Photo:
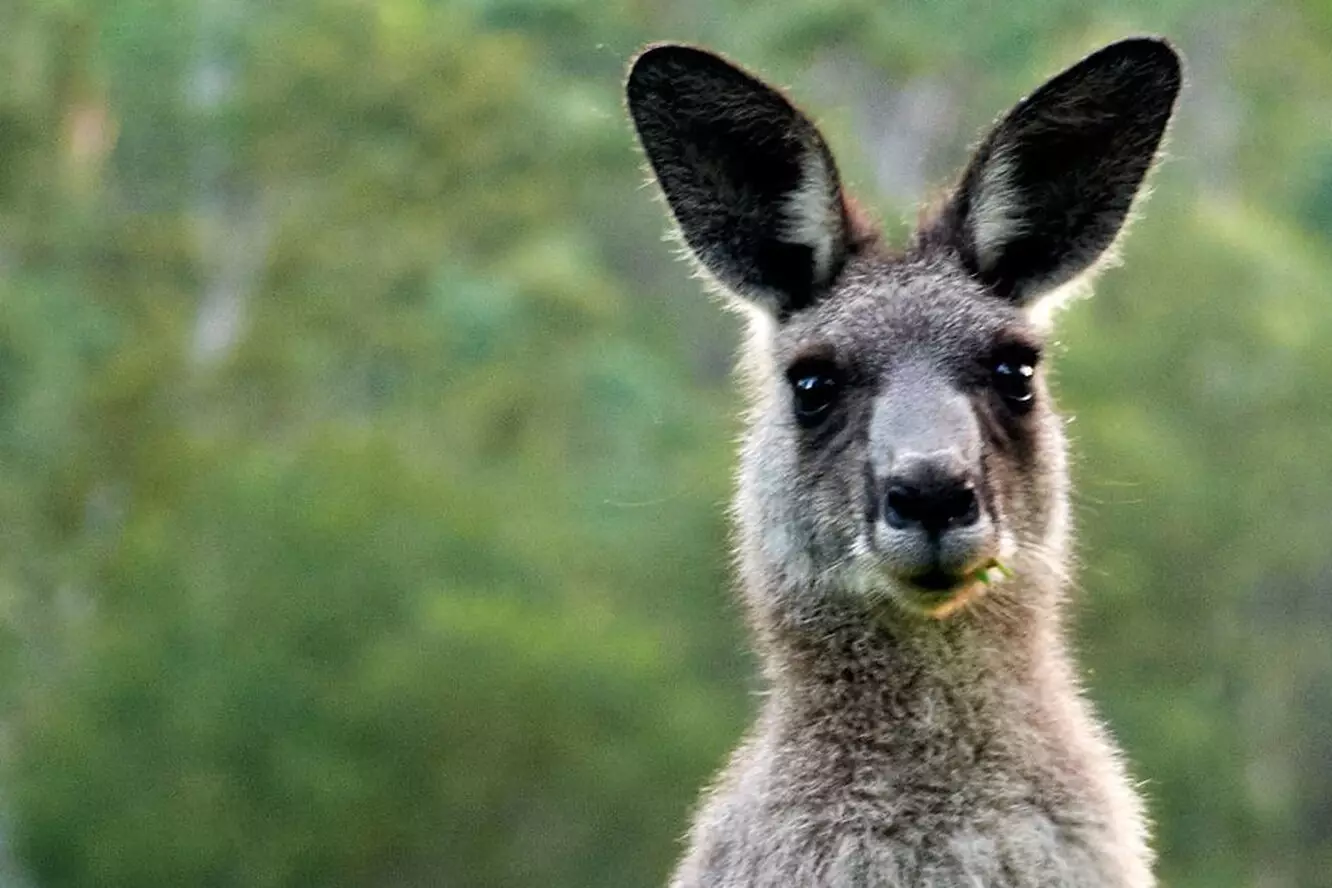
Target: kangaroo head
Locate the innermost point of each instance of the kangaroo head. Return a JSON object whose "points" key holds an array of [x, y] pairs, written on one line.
{"points": [[902, 441]]}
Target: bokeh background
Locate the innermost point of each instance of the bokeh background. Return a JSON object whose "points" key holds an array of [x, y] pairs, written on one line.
{"points": [[364, 449]]}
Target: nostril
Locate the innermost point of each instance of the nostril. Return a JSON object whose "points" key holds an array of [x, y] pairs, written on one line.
{"points": [[961, 508], [935, 507], [902, 506]]}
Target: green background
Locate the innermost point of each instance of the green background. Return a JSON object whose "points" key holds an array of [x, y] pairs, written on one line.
{"points": [[365, 450]]}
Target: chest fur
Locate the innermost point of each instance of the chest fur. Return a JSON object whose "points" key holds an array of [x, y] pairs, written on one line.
{"points": [[870, 819]]}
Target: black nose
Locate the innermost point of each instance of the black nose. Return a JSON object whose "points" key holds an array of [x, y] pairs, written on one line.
{"points": [[930, 499]]}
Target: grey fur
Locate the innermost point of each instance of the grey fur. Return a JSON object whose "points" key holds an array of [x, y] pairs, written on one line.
{"points": [[913, 735]]}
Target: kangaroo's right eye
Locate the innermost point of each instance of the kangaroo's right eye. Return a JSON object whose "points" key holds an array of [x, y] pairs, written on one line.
{"points": [[1013, 372], [815, 388]]}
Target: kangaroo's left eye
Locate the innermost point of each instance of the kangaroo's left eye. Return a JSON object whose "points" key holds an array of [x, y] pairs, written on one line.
{"points": [[815, 389], [1013, 374]]}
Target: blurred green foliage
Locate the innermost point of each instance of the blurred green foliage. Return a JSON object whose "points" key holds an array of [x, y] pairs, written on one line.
{"points": [[365, 452]]}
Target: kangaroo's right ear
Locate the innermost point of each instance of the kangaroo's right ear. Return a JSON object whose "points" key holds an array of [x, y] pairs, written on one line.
{"points": [[748, 178], [1049, 189]]}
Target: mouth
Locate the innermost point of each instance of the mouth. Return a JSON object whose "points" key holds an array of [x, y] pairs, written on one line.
{"points": [[940, 594]]}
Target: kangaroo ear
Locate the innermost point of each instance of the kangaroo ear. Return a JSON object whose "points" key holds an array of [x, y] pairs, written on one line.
{"points": [[1049, 189], [749, 179]]}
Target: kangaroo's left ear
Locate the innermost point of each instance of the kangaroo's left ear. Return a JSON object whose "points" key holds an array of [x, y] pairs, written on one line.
{"points": [[1049, 189], [750, 181]]}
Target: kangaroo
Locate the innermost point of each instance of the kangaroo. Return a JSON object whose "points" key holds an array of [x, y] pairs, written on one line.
{"points": [[902, 505]]}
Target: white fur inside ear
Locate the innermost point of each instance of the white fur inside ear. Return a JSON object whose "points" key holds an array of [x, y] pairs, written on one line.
{"points": [[997, 212], [1044, 309], [813, 213], [757, 361]]}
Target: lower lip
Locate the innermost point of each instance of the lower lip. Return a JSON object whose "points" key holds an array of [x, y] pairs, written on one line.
{"points": [[944, 603]]}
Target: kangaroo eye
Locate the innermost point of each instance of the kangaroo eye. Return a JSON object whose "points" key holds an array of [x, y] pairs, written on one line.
{"points": [[1013, 373], [815, 388]]}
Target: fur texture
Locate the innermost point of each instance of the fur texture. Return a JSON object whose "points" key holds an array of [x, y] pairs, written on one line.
{"points": [[922, 728]]}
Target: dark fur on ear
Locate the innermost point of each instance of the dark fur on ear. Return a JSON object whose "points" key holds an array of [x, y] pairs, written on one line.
{"points": [[1049, 189], [748, 178]]}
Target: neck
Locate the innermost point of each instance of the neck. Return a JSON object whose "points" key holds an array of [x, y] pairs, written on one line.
{"points": [[1002, 653]]}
